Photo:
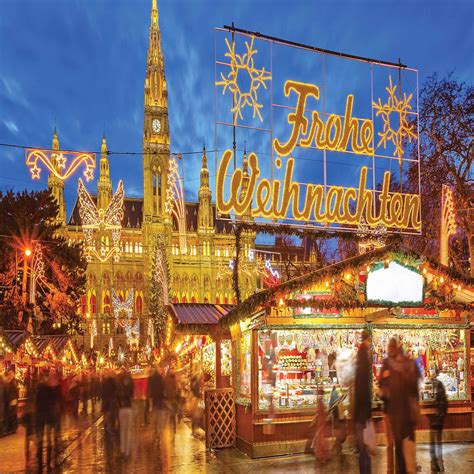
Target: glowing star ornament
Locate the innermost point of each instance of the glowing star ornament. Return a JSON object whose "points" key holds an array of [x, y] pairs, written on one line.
{"points": [[405, 130], [174, 203], [98, 224], [60, 164], [244, 64]]}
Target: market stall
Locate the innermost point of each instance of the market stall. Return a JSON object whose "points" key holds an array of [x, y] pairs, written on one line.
{"points": [[293, 343]]}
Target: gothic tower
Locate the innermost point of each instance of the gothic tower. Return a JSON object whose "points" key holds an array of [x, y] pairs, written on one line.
{"points": [[56, 185], [205, 228], [104, 187], [156, 140]]}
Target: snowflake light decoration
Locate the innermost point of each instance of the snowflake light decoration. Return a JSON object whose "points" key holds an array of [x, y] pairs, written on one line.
{"points": [[174, 203], [98, 220], [402, 107], [57, 163], [244, 64]]}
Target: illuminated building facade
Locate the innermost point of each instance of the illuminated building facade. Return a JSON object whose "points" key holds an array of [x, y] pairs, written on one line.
{"points": [[199, 269]]}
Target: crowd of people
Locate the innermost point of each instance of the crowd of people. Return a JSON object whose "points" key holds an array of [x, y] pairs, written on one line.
{"points": [[398, 385], [53, 401]]}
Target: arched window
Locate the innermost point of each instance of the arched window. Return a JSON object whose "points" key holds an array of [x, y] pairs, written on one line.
{"points": [[138, 304], [106, 303], [93, 304], [218, 299], [83, 304], [193, 299], [184, 299], [157, 189]]}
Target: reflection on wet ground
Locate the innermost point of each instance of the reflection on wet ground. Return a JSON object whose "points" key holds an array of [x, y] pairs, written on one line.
{"points": [[89, 450], [182, 453]]}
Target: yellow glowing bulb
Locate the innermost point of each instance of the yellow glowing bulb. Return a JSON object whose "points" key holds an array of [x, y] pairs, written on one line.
{"points": [[424, 271], [459, 288], [441, 279], [347, 276], [327, 284], [367, 268], [28, 252], [281, 303]]}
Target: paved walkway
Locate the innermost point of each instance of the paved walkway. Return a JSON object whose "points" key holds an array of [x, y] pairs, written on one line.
{"points": [[12, 447], [186, 454]]}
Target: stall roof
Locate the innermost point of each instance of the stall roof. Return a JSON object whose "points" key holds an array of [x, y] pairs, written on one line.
{"points": [[257, 300], [197, 318], [15, 338], [200, 313], [40, 342]]}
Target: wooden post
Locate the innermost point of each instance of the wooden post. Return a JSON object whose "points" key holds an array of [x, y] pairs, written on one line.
{"points": [[219, 381]]}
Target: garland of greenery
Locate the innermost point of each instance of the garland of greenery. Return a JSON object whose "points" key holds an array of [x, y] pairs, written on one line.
{"points": [[269, 297], [159, 290]]}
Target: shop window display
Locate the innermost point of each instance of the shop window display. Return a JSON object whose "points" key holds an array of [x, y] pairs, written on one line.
{"points": [[436, 351], [294, 364], [245, 357]]}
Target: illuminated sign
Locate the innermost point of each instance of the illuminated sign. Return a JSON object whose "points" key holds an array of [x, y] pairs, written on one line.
{"points": [[395, 284], [61, 164], [317, 155]]}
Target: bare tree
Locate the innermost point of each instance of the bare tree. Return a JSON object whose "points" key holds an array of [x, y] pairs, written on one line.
{"points": [[446, 153]]}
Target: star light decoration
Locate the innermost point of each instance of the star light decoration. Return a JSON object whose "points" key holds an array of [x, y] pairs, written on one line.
{"points": [[244, 64], [402, 107], [174, 203], [123, 315], [100, 221], [61, 164]]}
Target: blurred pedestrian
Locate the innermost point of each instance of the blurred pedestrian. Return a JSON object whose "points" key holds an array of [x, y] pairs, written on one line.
{"points": [[363, 401], [156, 395], [11, 402], [392, 352], [440, 404], [171, 394], [196, 397], [48, 418], [320, 442], [125, 390], [110, 404], [84, 392], [2, 405], [400, 379], [28, 418]]}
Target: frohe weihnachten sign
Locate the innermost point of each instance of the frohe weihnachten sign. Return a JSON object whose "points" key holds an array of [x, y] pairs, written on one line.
{"points": [[325, 145]]}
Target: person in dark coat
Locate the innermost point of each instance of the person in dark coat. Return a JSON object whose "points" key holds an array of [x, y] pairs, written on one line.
{"points": [[109, 403], [363, 400], [48, 414], [440, 404], [11, 402], [125, 396], [156, 395], [400, 379]]}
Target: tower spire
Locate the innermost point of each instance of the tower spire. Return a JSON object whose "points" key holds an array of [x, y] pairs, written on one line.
{"points": [[104, 186], [55, 184], [154, 13], [155, 82], [205, 207]]}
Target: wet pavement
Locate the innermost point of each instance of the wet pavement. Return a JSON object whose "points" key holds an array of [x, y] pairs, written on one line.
{"points": [[88, 450], [182, 453], [12, 447]]}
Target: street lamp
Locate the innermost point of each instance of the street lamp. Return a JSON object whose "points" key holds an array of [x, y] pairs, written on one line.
{"points": [[27, 253]]}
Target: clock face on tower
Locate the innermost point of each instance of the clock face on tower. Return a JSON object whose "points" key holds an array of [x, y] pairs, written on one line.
{"points": [[156, 124]]}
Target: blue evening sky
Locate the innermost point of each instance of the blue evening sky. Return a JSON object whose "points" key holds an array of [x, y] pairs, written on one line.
{"points": [[80, 64]]}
